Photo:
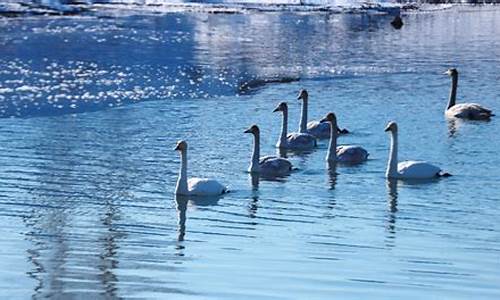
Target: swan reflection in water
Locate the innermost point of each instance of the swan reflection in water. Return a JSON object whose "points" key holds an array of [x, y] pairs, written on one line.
{"points": [[392, 202], [255, 179], [453, 126], [301, 157], [182, 203], [254, 202], [392, 209], [331, 167], [286, 153], [181, 206]]}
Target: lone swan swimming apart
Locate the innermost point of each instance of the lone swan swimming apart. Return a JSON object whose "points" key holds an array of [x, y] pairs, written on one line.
{"points": [[195, 186], [345, 153], [408, 169], [294, 140], [471, 111], [316, 128], [267, 165]]}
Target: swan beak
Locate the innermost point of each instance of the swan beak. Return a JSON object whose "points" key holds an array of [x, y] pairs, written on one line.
{"points": [[276, 109], [249, 130], [176, 147], [448, 72], [323, 120], [387, 129]]}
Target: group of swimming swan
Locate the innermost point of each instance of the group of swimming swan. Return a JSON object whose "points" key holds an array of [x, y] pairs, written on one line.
{"points": [[309, 132]]}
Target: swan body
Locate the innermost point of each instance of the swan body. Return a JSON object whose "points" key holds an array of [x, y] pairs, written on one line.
{"points": [[351, 154], [315, 128], [298, 141], [408, 169], [318, 129], [272, 165], [417, 170], [195, 186], [294, 140], [346, 153], [471, 111], [266, 165], [205, 187]]}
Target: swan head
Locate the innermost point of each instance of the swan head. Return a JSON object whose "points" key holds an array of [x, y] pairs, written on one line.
{"points": [[303, 95], [254, 129], [181, 146], [451, 72], [391, 126], [330, 117], [281, 107]]}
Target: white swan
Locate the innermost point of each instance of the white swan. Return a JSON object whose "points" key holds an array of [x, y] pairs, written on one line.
{"points": [[294, 140], [195, 186], [345, 153], [408, 169], [267, 165], [471, 111], [316, 128]]}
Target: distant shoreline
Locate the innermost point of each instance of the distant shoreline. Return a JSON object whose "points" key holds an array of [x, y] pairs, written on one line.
{"points": [[19, 9]]}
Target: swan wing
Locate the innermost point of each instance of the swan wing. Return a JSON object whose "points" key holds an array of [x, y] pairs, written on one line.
{"points": [[478, 107], [351, 154], [205, 187], [472, 111], [275, 165], [298, 140], [417, 169], [319, 130]]}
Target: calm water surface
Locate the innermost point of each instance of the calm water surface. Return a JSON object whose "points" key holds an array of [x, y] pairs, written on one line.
{"points": [[93, 106]]}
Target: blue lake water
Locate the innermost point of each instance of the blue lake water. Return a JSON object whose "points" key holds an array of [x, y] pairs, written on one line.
{"points": [[92, 107]]}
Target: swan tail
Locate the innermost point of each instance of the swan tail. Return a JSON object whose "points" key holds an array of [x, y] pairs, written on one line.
{"points": [[342, 131], [444, 174], [226, 190]]}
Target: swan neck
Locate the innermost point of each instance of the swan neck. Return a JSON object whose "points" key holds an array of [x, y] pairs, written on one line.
{"points": [[392, 165], [453, 91], [182, 186], [303, 116], [284, 128], [254, 163], [331, 155]]}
